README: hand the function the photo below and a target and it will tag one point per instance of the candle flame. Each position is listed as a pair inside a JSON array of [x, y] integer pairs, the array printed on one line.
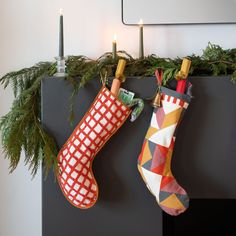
[[61, 11], [141, 22], [114, 37]]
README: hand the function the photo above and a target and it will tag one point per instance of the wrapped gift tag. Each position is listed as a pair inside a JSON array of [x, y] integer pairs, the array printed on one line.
[[125, 96]]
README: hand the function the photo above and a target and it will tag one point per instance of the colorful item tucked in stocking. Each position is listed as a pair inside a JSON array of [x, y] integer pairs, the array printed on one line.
[[154, 163], [105, 116]]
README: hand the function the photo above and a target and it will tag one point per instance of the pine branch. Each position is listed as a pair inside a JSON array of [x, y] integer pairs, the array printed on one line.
[[23, 79], [21, 127]]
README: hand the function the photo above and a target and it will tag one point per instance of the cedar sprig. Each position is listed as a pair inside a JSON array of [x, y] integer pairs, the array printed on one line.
[[22, 131], [21, 127]]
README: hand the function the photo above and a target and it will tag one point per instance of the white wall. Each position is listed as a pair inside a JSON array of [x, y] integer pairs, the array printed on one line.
[[29, 30]]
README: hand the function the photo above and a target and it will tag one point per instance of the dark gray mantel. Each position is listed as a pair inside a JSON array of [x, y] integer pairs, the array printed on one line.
[[205, 152], [203, 161]]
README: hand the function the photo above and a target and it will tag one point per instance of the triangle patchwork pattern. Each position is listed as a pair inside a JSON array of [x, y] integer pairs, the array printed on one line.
[[146, 155], [167, 171], [153, 181], [141, 155], [154, 163], [160, 116], [172, 202], [163, 150], [152, 147], [163, 136], [173, 187], [158, 158], [159, 169], [147, 165], [171, 118], [154, 121], [150, 132], [183, 198], [166, 180], [172, 211], [164, 195]]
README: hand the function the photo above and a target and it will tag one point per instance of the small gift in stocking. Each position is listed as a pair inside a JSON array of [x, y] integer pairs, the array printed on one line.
[[154, 163], [105, 116]]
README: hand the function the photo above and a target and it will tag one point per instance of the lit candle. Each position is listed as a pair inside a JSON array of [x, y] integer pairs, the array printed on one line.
[[114, 47], [61, 36], [141, 53]]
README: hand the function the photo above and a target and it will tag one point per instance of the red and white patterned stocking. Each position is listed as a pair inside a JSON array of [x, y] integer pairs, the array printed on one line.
[[105, 116], [154, 163]]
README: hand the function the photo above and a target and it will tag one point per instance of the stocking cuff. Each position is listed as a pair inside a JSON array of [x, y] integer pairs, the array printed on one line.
[[184, 98]]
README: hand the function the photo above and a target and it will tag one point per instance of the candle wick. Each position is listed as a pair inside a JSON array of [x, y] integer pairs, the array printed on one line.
[[140, 22]]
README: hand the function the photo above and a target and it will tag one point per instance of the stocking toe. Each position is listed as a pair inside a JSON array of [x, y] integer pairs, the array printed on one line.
[[82, 192], [173, 203]]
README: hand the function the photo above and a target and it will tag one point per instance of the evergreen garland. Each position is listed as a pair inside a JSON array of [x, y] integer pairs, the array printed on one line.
[[22, 129]]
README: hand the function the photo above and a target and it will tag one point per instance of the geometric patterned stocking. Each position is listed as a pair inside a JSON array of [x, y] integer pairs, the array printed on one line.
[[154, 162], [75, 177]]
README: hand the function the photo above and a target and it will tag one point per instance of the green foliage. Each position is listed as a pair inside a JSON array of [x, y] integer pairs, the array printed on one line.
[[219, 61], [23, 79], [22, 129]]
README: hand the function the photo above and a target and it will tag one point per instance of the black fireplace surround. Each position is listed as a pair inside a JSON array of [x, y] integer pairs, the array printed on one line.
[[203, 163]]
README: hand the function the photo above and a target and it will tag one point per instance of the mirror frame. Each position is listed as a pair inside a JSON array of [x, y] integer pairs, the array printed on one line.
[[166, 24]]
